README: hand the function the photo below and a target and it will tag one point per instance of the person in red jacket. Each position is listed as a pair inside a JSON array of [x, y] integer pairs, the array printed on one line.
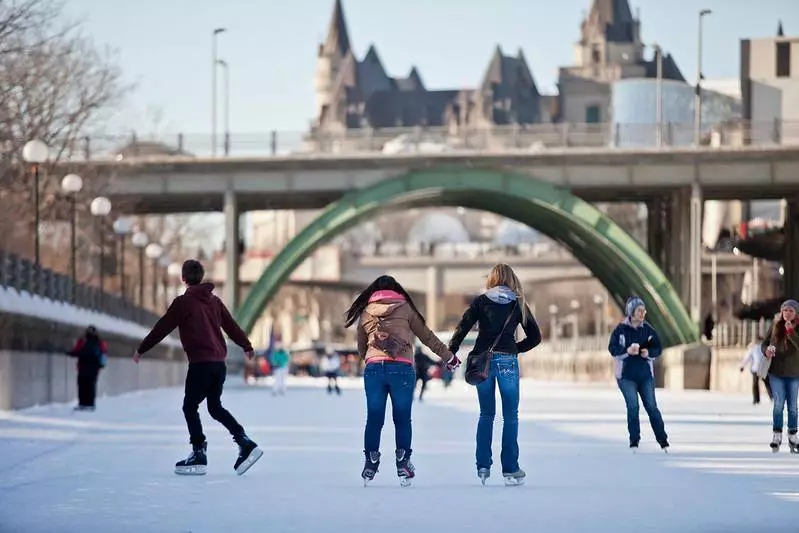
[[199, 317], [91, 352]]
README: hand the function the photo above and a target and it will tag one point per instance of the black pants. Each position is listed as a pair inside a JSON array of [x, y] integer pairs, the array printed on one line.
[[204, 381], [87, 386], [756, 388], [424, 381], [332, 381]]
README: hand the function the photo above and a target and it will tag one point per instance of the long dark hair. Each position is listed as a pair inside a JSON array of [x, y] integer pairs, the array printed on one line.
[[383, 283]]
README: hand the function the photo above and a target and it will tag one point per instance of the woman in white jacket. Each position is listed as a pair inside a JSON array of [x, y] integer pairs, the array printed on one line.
[[752, 359]]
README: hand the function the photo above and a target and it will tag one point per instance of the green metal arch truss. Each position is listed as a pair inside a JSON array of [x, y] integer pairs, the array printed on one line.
[[607, 250]]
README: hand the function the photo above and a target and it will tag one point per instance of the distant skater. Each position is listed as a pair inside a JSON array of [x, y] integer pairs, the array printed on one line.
[[423, 366], [753, 359], [330, 366], [200, 316], [280, 361], [91, 352], [634, 344]]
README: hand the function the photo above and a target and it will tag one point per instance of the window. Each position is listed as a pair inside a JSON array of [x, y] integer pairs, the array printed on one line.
[[784, 60], [592, 114], [596, 54]]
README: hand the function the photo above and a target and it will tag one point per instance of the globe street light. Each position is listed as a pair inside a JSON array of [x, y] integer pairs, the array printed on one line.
[[553, 322], [100, 208], [153, 252], [175, 271], [122, 227], [600, 314], [36, 152], [71, 185], [140, 241]]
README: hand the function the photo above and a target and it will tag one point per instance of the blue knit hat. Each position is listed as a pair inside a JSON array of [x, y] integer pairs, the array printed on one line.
[[790, 303], [633, 303]]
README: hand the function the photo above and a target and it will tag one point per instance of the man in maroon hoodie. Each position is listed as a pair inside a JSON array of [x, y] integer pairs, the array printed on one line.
[[199, 316]]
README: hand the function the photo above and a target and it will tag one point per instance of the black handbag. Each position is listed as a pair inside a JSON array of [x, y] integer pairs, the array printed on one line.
[[478, 365]]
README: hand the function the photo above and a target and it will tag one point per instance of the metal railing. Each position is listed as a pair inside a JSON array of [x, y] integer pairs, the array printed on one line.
[[25, 276], [739, 334], [429, 140]]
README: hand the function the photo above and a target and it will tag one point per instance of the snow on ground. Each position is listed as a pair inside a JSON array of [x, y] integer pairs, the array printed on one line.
[[112, 470]]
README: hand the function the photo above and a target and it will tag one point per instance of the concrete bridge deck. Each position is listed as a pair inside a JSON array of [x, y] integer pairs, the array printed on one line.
[[112, 470]]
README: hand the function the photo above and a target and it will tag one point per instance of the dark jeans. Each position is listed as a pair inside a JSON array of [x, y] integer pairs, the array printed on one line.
[[756, 387], [631, 389], [381, 380], [87, 386], [204, 381], [786, 391], [505, 373]]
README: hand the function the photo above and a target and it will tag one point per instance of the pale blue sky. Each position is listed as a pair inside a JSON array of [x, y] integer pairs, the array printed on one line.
[[164, 46]]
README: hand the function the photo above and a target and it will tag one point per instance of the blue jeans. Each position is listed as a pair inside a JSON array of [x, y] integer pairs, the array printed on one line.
[[785, 390], [631, 389], [505, 373], [381, 380]]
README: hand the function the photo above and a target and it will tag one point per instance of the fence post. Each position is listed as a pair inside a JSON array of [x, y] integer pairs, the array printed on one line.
[[273, 142], [180, 143], [87, 148]]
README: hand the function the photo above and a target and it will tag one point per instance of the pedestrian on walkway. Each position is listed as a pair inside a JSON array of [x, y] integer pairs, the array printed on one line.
[[498, 313], [330, 365], [752, 360], [634, 344], [387, 319], [91, 352], [199, 316], [782, 349], [280, 361]]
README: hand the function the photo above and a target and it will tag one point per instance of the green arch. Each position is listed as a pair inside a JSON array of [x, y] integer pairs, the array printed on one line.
[[607, 250]]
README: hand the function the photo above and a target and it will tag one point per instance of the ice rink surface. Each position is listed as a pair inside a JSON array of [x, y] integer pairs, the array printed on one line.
[[112, 470]]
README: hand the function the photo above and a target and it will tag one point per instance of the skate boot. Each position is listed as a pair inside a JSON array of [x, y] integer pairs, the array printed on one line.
[[664, 445], [634, 446], [793, 442], [195, 464], [514, 478], [249, 453], [776, 441], [483, 474], [370, 467], [405, 469]]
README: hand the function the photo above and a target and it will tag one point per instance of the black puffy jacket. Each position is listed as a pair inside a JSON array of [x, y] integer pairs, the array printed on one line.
[[490, 317]]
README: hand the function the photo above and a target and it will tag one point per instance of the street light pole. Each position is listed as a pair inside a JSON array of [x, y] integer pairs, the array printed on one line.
[[122, 228], [140, 240], [216, 32], [71, 184], [659, 95], [226, 100], [100, 208], [36, 152], [698, 97]]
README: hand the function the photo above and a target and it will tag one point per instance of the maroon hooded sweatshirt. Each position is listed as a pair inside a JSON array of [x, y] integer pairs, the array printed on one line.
[[198, 315]]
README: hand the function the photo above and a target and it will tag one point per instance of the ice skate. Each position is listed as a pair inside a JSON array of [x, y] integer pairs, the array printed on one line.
[[513, 479], [195, 464], [793, 442], [405, 469], [249, 453], [370, 467], [664, 446], [483, 474], [776, 441], [634, 446]]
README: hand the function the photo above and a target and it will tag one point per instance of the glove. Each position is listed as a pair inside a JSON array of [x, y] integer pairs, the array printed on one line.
[[453, 363]]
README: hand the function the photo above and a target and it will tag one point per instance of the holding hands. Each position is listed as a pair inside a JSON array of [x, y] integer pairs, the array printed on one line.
[[634, 349], [453, 362]]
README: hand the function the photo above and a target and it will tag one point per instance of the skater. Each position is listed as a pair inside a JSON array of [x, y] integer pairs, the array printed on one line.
[[634, 344], [782, 348], [752, 359], [91, 352], [280, 361], [330, 365], [423, 365], [387, 320], [198, 315], [498, 313]]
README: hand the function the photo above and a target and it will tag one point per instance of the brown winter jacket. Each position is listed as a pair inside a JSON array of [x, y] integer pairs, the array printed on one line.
[[400, 320]]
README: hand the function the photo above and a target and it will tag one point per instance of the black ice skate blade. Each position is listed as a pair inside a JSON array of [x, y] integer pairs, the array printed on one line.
[[251, 460], [194, 470]]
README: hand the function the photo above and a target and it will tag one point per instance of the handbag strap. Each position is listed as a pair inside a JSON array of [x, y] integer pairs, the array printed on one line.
[[496, 340]]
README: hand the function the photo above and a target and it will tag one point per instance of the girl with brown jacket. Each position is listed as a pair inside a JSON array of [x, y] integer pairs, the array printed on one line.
[[782, 348], [387, 320]]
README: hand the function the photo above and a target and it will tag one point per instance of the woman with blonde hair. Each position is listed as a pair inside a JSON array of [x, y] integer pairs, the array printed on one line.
[[498, 313]]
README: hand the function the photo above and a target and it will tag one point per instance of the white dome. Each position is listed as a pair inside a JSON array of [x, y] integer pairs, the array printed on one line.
[[512, 233], [438, 227]]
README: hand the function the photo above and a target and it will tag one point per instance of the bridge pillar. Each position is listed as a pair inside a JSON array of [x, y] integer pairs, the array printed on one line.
[[232, 259], [656, 226], [791, 253], [676, 245], [435, 290]]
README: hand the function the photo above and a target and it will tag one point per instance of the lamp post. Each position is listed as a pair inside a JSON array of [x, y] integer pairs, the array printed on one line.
[[575, 306], [122, 228], [599, 326], [226, 101], [164, 263], [214, 36], [153, 252], [71, 185], [698, 97], [553, 325], [100, 208], [659, 95], [36, 152], [175, 271], [140, 241]]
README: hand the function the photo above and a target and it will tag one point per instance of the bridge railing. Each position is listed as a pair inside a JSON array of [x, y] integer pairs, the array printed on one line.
[[399, 140], [24, 276]]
